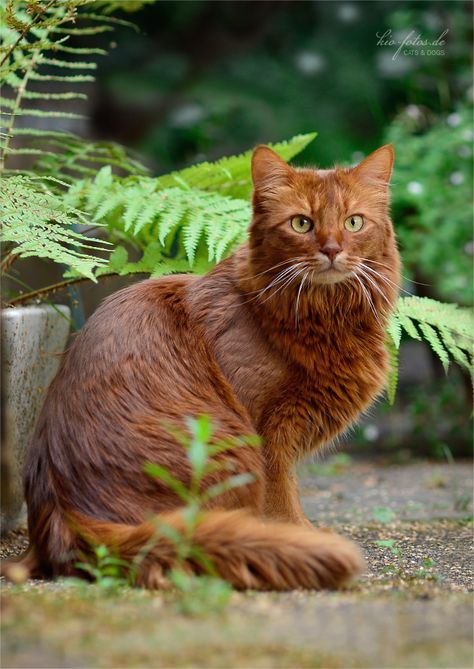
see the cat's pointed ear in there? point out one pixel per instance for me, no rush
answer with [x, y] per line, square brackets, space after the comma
[268, 169]
[378, 165]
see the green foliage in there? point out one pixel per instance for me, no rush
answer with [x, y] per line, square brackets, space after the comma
[401, 569]
[32, 32]
[37, 222]
[105, 570]
[198, 214]
[36, 219]
[446, 328]
[207, 592]
[231, 175]
[432, 193]
[195, 594]
[196, 225]
[383, 514]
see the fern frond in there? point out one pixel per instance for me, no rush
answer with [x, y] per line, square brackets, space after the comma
[48, 113]
[230, 176]
[37, 223]
[63, 78]
[167, 214]
[69, 64]
[392, 380]
[446, 328]
[35, 39]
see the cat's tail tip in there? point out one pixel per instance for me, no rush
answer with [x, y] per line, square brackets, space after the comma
[277, 556]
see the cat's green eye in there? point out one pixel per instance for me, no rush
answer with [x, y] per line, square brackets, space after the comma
[354, 223]
[301, 224]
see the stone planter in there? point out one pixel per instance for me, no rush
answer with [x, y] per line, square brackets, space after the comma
[32, 340]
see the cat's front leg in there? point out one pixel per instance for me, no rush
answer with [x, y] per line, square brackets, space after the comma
[282, 498]
[285, 433]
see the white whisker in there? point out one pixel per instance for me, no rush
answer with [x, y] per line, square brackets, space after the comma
[369, 299]
[376, 262]
[282, 277]
[298, 298]
[287, 283]
[384, 278]
[372, 282]
[285, 262]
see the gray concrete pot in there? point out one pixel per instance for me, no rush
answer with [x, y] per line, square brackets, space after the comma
[32, 340]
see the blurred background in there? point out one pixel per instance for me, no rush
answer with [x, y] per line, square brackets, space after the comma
[203, 79]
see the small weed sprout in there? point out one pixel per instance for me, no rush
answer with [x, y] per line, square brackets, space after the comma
[399, 567]
[383, 514]
[198, 594]
[107, 572]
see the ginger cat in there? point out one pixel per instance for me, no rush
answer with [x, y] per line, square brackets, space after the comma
[284, 339]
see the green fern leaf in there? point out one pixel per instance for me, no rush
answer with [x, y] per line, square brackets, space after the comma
[447, 328]
[69, 65]
[409, 327]
[192, 232]
[436, 344]
[37, 223]
[394, 329]
[392, 380]
[230, 176]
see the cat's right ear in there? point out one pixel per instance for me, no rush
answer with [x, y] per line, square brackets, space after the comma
[268, 169]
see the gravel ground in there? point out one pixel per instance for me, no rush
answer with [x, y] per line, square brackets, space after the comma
[412, 607]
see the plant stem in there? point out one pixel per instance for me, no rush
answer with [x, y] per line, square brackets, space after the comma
[24, 33]
[41, 292]
[22, 87]
[8, 261]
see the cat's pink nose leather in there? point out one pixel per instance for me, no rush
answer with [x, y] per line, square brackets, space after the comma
[331, 248]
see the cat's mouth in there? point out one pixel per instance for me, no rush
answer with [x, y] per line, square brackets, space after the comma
[333, 271]
[330, 275]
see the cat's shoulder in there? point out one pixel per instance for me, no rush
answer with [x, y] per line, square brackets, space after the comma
[151, 291]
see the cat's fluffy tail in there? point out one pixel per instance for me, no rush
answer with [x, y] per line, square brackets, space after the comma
[244, 551]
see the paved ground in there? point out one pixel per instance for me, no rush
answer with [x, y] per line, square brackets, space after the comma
[413, 607]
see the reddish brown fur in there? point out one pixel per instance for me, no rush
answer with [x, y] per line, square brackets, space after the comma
[187, 345]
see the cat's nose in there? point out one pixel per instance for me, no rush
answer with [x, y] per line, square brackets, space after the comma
[331, 248]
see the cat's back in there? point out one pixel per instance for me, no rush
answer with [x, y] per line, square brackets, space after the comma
[131, 322]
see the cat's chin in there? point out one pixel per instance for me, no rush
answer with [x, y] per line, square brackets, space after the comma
[329, 277]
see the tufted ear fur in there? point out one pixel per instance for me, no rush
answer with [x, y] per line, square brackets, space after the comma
[378, 165]
[268, 169]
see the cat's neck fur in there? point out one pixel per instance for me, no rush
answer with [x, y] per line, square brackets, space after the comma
[302, 323]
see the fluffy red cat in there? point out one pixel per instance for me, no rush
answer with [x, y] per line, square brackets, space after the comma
[284, 339]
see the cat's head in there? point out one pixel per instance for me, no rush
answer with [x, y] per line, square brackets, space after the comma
[334, 223]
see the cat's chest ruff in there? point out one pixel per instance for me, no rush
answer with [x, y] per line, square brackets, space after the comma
[338, 377]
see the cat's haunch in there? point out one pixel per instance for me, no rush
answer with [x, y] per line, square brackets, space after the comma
[284, 339]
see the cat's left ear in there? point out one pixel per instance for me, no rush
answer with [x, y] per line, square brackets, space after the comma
[268, 169]
[378, 165]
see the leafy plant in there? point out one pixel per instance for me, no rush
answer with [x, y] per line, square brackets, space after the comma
[37, 222]
[38, 72]
[195, 594]
[383, 514]
[37, 75]
[105, 570]
[197, 215]
[446, 328]
[432, 193]
[399, 567]
[202, 453]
